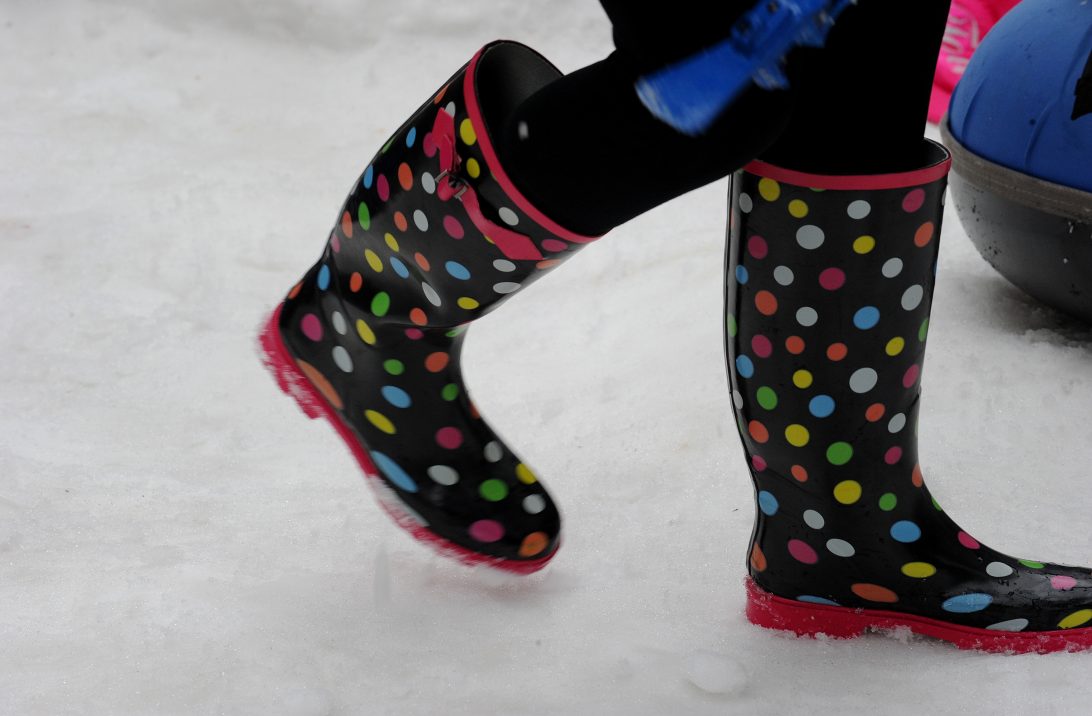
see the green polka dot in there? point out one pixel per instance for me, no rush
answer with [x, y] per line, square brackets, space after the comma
[924, 330]
[839, 453]
[1032, 564]
[387, 145]
[394, 366]
[888, 501]
[493, 490]
[364, 216]
[936, 505]
[381, 303]
[456, 331]
[733, 329]
[450, 392]
[767, 398]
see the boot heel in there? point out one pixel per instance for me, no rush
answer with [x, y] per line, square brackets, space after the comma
[279, 363]
[801, 618]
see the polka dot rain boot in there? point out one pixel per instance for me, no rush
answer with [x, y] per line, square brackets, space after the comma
[830, 282]
[432, 236]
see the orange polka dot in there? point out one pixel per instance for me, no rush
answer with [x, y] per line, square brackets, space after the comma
[320, 382]
[758, 431]
[794, 345]
[875, 412]
[875, 593]
[400, 221]
[837, 351]
[436, 362]
[758, 560]
[356, 281]
[422, 261]
[533, 544]
[418, 317]
[924, 234]
[405, 176]
[474, 411]
[440, 95]
[548, 263]
[916, 478]
[295, 290]
[766, 303]
[347, 224]
[799, 473]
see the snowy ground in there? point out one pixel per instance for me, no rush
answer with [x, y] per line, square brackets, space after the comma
[175, 538]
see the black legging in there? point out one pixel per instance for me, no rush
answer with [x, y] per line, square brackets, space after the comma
[586, 152]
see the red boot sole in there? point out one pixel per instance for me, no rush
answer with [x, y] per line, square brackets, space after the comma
[805, 619]
[292, 381]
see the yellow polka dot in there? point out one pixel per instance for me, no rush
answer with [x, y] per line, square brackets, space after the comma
[769, 189]
[847, 492]
[525, 475]
[380, 421]
[1076, 619]
[802, 379]
[467, 303]
[918, 570]
[895, 346]
[391, 241]
[466, 131]
[373, 260]
[366, 333]
[864, 244]
[797, 435]
[473, 168]
[798, 208]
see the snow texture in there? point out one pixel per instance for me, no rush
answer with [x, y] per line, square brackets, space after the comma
[175, 537]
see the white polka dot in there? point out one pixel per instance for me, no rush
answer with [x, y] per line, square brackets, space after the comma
[998, 569]
[428, 183]
[892, 268]
[840, 548]
[339, 322]
[737, 399]
[493, 451]
[1010, 625]
[504, 265]
[783, 275]
[443, 475]
[807, 316]
[342, 359]
[505, 287]
[810, 236]
[508, 216]
[450, 108]
[431, 295]
[745, 203]
[897, 423]
[523, 131]
[814, 520]
[863, 380]
[533, 504]
[911, 298]
[420, 220]
[859, 209]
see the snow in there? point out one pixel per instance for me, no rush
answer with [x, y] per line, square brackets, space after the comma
[175, 537]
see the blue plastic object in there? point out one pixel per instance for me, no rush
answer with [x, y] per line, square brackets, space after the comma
[691, 94]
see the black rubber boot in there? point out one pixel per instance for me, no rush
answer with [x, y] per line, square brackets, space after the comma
[829, 287]
[433, 236]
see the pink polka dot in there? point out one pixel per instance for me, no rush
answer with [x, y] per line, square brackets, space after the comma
[913, 200]
[311, 327]
[911, 375]
[449, 438]
[414, 334]
[429, 145]
[335, 243]
[487, 530]
[1062, 583]
[756, 247]
[892, 455]
[758, 463]
[762, 346]
[832, 279]
[554, 245]
[967, 541]
[453, 228]
[383, 187]
[801, 552]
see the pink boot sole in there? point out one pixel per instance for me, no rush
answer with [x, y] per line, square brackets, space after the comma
[291, 380]
[806, 619]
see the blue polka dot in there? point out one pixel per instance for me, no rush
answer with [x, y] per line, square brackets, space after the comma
[369, 174]
[324, 278]
[967, 603]
[399, 267]
[411, 137]
[745, 367]
[821, 406]
[396, 396]
[457, 270]
[905, 531]
[741, 274]
[767, 503]
[393, 472]
[866, 318]
[817, 600]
